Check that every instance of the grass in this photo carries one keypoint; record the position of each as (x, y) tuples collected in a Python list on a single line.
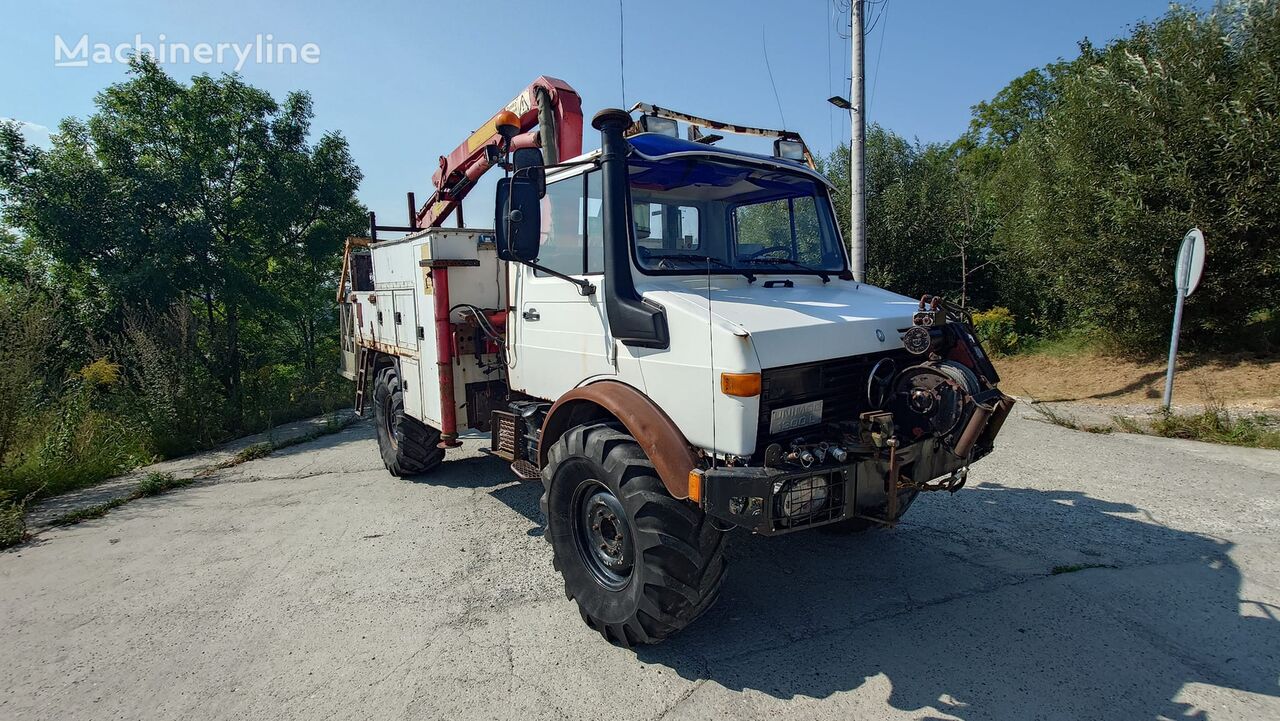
[(13, 524), (154, 484), (1065, 421), (13, 528), (332, 424), (1215, 424), (1063, 345)]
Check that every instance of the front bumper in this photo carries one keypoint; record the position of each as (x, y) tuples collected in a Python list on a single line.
[(759, 498)]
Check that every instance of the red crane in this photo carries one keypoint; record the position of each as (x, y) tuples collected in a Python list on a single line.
[(550, 105)]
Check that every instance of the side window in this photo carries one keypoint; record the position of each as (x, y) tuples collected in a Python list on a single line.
[(665, 227), (595, 225), (562, 237)]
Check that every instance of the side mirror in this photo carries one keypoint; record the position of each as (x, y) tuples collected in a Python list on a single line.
[(519, 207)]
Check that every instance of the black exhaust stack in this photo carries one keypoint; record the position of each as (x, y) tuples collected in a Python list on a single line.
[(632, 320)]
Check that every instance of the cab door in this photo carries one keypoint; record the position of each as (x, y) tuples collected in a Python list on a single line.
[(562, 337)]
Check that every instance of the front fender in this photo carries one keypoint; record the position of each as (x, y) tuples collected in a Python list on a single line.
[(663, 443)]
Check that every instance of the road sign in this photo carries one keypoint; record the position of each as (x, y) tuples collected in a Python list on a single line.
[(1190, 262), (1186, 277)]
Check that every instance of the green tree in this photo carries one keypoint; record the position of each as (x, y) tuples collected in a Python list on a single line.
[(209, 194)]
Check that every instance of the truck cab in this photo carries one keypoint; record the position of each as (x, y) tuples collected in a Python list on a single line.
[(666, 334)]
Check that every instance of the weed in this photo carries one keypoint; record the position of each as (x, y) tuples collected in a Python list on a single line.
[(1128, 424), (254, 452), (156, 483), (90, 512), (1066, 344), (1216, 425), (1054, 417), (13, 524), (995, 328)]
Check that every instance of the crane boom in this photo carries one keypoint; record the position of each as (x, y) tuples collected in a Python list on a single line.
[(549, 104)]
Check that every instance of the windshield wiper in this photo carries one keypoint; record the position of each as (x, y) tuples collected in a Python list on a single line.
[(825, 275), (664, 257)]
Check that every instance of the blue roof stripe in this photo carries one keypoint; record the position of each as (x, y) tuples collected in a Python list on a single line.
[(654, 146)]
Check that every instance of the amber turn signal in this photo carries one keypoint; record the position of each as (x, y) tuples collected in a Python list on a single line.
[(695, 485), (743, 385)]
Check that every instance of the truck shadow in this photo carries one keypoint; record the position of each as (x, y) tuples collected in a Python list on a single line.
[(995, 603)]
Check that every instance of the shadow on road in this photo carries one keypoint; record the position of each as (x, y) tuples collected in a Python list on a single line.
[(974, 621)]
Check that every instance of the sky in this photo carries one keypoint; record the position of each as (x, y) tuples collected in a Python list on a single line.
[(406, 82)]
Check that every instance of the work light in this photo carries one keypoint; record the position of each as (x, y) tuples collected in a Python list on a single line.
[(662, 126), (788, 149)]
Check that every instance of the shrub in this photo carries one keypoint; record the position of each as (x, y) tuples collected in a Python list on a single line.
[(996, 330), (13, 523), (156, 483)]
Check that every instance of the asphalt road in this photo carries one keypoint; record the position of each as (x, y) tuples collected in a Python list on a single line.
[(311, 584)]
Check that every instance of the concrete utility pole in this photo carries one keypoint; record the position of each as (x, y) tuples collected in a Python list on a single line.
[(858, 146)]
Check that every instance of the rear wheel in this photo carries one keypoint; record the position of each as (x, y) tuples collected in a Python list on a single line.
[(640, 564), (408, 446)]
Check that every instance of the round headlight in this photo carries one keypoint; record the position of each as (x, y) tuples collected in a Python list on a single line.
[(804, 496)]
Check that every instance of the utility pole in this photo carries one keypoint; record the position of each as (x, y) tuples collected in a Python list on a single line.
[(858, 146)]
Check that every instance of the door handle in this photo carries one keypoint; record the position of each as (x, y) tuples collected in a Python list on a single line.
[(531, 314)]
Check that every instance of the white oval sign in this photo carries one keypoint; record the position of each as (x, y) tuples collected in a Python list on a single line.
[(1190, 265)]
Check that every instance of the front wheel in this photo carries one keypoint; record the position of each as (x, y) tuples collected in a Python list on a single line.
[(640, 564), (408, 446)]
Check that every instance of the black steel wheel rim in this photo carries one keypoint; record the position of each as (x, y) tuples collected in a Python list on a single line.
[(602, 534)]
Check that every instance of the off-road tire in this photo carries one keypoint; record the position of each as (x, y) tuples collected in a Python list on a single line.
[(858, 525), (408, 446), (677, 561)]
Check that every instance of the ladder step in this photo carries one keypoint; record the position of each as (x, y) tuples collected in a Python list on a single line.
[(526, 470)]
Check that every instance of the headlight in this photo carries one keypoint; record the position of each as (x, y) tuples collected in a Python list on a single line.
[(804, 496)]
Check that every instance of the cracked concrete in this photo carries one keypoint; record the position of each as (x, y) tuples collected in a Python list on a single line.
[(312, 584)]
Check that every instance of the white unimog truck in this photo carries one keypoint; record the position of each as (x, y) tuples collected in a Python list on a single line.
[(667, 335)]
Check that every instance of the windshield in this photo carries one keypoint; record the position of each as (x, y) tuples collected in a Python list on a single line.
[(691, 212)]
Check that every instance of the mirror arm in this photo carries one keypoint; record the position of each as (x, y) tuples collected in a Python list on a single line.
[(585, 287)]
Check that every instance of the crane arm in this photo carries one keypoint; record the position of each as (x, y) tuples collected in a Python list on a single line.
[(548, 104)]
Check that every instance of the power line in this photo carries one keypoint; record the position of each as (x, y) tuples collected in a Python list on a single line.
[(831, 123), (875, 79)]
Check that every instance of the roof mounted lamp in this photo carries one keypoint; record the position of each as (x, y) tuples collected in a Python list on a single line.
[(659, 125), (789, 150)]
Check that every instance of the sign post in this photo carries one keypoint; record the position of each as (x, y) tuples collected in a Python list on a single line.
[(1186, 275)]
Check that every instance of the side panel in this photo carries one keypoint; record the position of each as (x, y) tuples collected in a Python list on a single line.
[(480, 286), (411, 377), (384, 325), (405, 319)]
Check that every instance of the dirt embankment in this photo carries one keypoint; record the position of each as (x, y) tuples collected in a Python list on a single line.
[(1096, 378)]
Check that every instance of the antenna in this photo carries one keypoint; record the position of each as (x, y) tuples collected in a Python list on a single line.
[(622, 51), (768, 67), (711, 350)]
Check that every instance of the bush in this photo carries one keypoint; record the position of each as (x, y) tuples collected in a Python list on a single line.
[(996, 330), (156, 483), (13, 523)]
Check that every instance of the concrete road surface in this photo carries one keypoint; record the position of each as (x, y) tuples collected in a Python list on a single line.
[(311, 584)]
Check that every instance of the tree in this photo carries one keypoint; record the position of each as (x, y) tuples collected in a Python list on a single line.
[(208, 194)]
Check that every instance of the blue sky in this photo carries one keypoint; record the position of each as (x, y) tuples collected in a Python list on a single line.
[(407, 81)]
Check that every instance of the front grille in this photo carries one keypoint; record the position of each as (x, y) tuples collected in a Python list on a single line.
[(840, 383)]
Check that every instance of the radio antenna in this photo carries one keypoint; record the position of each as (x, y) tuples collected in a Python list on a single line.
[(769, 67)]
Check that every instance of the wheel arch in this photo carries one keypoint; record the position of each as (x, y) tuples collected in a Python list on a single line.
[(609, 400)]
